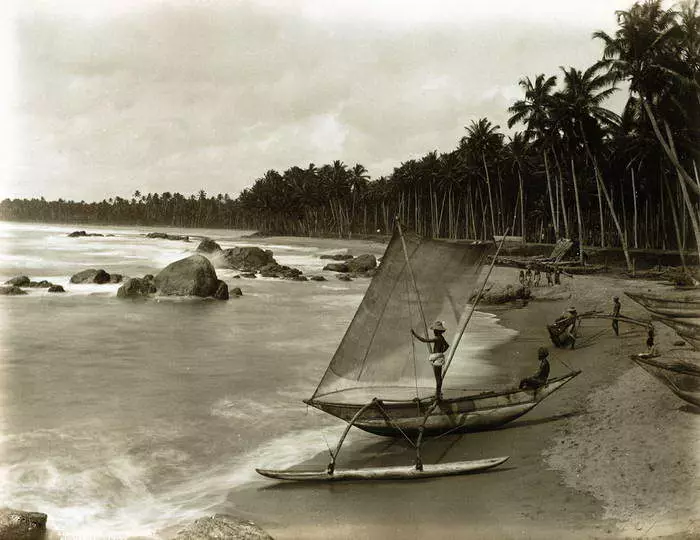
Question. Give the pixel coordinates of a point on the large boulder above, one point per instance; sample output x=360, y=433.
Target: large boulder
x=208, y=246
x=236, y=291
x=362, y=263
x=11, y=290
x=280, y=271
x=246, y=259
x=19, y=281
x=20, y=525
x=91, y=276
x=56, y=288
x=220, y=527
x=136, y=288
x=115, y=278
x=193, y=276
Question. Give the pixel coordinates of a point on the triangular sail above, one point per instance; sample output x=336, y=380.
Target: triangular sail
x=376, y=352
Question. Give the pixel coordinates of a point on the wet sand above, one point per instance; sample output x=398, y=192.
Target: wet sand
x=611, y=454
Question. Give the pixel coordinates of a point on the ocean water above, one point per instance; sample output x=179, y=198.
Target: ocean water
x=121, y=418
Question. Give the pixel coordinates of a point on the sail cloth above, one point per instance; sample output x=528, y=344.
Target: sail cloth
x=377, y=356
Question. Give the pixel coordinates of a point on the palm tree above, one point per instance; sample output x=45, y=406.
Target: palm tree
x=535, y=111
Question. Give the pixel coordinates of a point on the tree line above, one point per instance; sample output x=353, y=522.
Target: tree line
x=574, y=169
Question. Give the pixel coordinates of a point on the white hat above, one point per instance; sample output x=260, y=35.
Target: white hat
x=438, y=325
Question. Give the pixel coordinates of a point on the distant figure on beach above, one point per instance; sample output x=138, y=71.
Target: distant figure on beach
x=538, y=277
x=616, y=313
x=437, y=357
x=548, y=273
x=650, y=338
x=521, y=277
x=528, y=276
x=557, y=274
x=540, y=378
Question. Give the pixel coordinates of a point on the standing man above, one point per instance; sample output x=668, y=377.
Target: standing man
x=437, y=357
x=616, y=313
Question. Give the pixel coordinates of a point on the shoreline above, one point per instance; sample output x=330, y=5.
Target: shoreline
x=539, y=492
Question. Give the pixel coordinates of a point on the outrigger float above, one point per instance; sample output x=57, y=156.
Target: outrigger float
x=375, y=382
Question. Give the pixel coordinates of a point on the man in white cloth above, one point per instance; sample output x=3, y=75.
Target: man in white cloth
x=437, y=357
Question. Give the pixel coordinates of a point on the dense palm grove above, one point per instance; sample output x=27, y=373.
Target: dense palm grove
x=574, y=169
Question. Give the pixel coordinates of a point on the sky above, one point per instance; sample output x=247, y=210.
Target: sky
x=102, y=98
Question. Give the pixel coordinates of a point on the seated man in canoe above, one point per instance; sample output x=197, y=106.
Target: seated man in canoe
x=540, y=378
x=563, y=331
x=437, y=357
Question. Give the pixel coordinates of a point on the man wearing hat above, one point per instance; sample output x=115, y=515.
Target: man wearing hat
x=567, y=323
x=540, y=378
x=616, y=313
x=437, y=356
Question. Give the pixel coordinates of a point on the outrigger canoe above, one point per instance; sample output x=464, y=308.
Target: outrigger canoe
x=478, y=412
x=676, y=372
x=688, y=329
x=671, y=304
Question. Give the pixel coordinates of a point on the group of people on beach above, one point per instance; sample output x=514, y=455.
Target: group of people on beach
x=530, y=277
x=563, y=333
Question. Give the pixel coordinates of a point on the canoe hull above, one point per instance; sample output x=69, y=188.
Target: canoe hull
x=387, y=473
x=688, y=329
x=671, y=305
x=685, y=383
x=470, y=413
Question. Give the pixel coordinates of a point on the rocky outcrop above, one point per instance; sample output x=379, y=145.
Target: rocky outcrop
x=91, y=276
x=362, y=263
x=344, y=277
x=136, y=288
x=221, y=292
x=360, y=266
x=193, y=276
x=280, y=271
x=11, y=290
x=222, y=526
x=336, y=267
x=43, y=284
x=208, y=246
x=18, y=281
x=246, y=259
x=236, y=291
x=56, y=288
x=19, y=525
x=337, y=257
x=499, y=294
x=317, y=278
x=116, y=278
x=78, y=234
x=166, y=236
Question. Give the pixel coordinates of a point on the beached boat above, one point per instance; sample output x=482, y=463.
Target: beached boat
x=688, y=329
x=675, y=371
x=379, y=381
x=670, y=304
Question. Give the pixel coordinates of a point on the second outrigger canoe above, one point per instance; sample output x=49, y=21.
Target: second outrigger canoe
x=671, y=304
x=688, y=329
x=681, y=376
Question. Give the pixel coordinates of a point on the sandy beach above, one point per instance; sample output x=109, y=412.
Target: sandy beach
x=613, y=454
